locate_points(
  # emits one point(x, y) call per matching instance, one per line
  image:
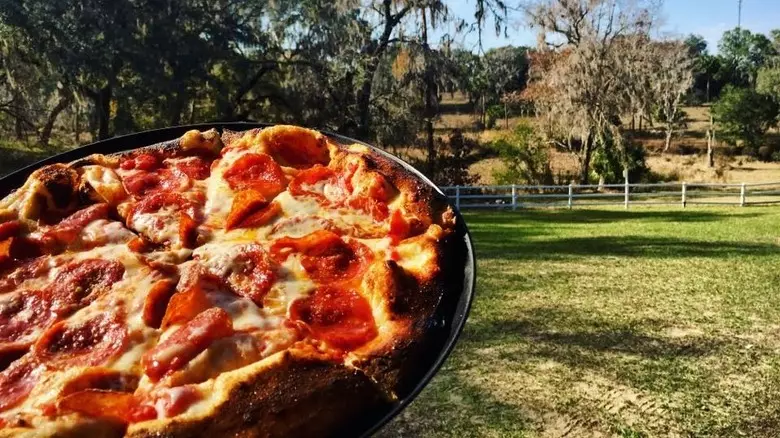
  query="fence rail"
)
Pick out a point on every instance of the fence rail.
point(572, 195)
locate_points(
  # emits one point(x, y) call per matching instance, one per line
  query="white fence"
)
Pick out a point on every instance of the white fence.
point(683, 194)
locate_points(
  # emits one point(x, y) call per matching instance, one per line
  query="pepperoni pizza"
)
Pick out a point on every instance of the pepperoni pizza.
point(263, 283)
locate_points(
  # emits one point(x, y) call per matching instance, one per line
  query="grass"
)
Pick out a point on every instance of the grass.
point(648, 322)
point(15, 155)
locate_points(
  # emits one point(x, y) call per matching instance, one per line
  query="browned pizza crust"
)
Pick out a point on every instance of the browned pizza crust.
point(294, 396)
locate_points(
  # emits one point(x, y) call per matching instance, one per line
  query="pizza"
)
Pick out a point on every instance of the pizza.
point(270, 282)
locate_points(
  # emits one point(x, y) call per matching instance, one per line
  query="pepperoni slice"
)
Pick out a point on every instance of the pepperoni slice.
point(19, 271)
point(9, 229)
point(187, 230)
point(146, 161)
point(100, 378)
point(158, 201)
point(339, 316)
point(126, 407)
point(256, 171)
point(252, 274)
point(302, 184)
point(325, 256)
point(84, 343)
point(194, 167)
point(156, 302)
point(69, 228)
point(262, 216)
point(123, 407)
point(371, 197)
point(6, 250)
point(145, 183)
point(250, 209)
point(335, 261)
point(377, 209)
point(187, 342)
point(399, 227)
point(17, 381)
point(22, 315)
point(79, 283)
point(283, 247)
point(190, 300)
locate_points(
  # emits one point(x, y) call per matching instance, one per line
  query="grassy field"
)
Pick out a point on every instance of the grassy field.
point(648, 322)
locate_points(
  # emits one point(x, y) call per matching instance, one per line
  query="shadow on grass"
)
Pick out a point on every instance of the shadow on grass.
point(518, 247)
point(575, 216)
point(569, 330)
point(633, 352)
point(453, 404)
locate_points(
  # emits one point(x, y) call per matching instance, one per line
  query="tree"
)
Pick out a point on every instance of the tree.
point(744, 115)
point(706, 68)
point(524, 156)
point(28, 86)
point(584, 84)
point(745, 52)
point(672, 76)
point(768, 82)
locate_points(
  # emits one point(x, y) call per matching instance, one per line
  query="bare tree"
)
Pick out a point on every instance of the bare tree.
point(587, 77)
point(672, 77)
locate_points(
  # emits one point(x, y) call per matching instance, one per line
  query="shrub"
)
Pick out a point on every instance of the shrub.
point(776, 156)
point(607, 162)
point(493, 114)
point(744, 115)
point(453, 158)
point(524, 156)
point(765, 153)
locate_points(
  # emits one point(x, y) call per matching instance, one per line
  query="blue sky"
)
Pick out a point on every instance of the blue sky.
point(709, 18)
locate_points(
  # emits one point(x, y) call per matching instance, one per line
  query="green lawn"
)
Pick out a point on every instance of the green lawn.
point(648, 322)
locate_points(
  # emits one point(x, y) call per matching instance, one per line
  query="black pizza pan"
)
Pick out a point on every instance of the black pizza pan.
point(450, 316)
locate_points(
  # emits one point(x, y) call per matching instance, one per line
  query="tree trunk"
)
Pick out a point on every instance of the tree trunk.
point(710, 154)
point(428, 96)
point(506, 116)
point(364, 96)
point(192, 111)
point(18, 128)
point(45, 134)
point(103, 107)
point(668, 140)
point(483, 118)
point(585, 159)
point(177, 108)
point(76, 127)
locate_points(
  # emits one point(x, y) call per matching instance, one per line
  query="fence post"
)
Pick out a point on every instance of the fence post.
point(457, 197)
point(514, 198)
point(625, 174)
point(742, 195)
point(684, 193)
point(571, 192)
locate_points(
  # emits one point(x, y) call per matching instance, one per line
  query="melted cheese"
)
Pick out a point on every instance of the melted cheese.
point(159, 226)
